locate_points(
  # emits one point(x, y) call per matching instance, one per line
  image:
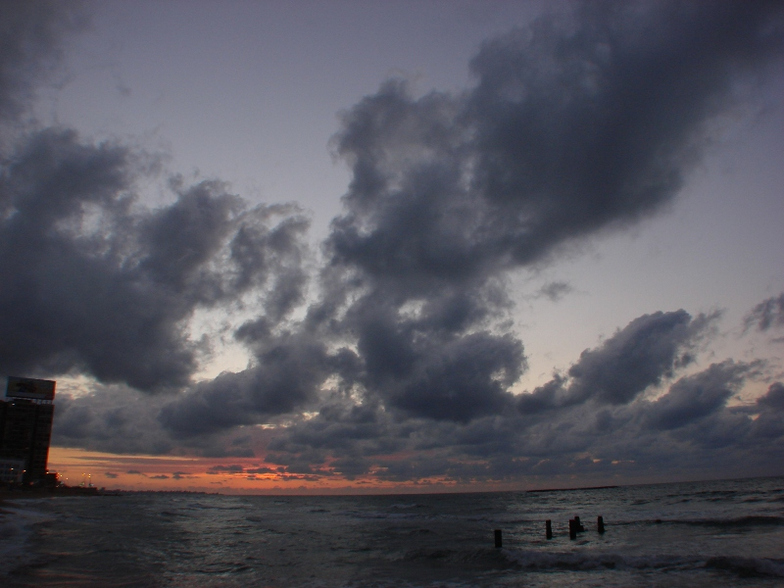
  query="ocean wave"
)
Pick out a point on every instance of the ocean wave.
point(585, 561)
point(747, 567)
point(541, 561)
point(406, 505)
point(381, 515)
point(747, 521)
point(16, 526)
point(203, 506)
point(488, 558)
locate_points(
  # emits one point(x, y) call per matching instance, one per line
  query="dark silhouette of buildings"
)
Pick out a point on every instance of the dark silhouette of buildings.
point(25, 430)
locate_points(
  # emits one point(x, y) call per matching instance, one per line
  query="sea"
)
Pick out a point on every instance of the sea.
point(725, 533)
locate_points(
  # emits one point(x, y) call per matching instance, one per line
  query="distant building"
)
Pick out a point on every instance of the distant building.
point(25, 430)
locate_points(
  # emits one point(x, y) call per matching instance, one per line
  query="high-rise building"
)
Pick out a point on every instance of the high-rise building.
point(25, 429)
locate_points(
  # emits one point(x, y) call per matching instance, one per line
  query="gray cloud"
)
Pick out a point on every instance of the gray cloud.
point(579, 125)
point(554, 291)
point(767, 315)
point(104, 285)
point(32, 32)
point(574, 126)
point(696, 397)
point(686, 426)
point(774, 399)
point(288, 375)
point(114, 419)
point(647, 350)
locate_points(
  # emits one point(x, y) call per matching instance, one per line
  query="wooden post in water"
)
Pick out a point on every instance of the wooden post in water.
point(600, 525)
point(572, 529)
point(578, 524)
point(498, 540)
point(548, 529)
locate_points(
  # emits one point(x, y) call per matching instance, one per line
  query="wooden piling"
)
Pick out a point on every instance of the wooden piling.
point(600, 525)
point(578, 525)
point(572, 529)
point(498, 540)
point(548, 529)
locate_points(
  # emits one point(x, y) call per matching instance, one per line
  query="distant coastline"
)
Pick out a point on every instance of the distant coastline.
point(574, 489)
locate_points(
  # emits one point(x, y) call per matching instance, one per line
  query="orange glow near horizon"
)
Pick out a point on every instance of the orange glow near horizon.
point(250, 475)
point(221, 475)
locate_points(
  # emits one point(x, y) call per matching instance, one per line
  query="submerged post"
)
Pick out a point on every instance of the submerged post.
point(600, 525)
point(548, 529)
point(572, 529)
point(498, 540)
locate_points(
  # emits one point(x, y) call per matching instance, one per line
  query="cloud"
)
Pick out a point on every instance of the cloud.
point(113, 419)
point(648, 350)
point(230, 469)
point(698, 396)
point(111, 475)
point(774, 399)
point(576, 126)
point(768, 427)
point(646, 425)
point(288, 375)
point(106, 286)
point(33, 33)
point(768, 314)
point(400, 358)
point(554, 291)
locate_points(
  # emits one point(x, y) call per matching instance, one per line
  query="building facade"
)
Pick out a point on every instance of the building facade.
point(26, 417)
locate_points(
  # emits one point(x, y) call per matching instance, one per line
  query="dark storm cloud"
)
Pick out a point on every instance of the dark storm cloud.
point(576, 125)
point(95, 281)
point(642, 354)
point(593, 123)
point(121, 420)
point(685, 427)
point(698, 396)
point(767, 314)
point(774, 399)
point(112, 419)
point(31, 42)
point(405, 359)
point(768, 427)
point(287, 376)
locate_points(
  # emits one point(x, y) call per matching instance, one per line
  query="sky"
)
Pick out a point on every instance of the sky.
point(350, 246)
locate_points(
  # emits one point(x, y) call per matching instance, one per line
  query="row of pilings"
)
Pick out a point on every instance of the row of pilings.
point(575, 527)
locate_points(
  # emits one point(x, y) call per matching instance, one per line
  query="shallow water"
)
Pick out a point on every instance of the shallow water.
point(728, 533)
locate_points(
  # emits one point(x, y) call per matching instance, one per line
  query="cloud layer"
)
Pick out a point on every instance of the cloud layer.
point(396, 357)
